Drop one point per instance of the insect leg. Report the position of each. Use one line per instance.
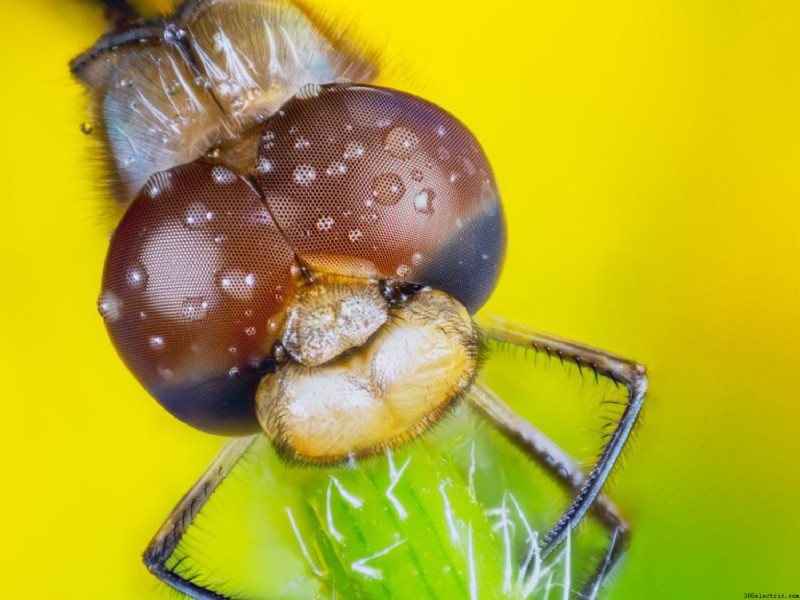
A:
(166, 539)
(620, 370)
(561, 465)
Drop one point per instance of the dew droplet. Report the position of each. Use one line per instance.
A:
(325, 223)
(237, 284)
(197, 215)
(423, 202)
(443, 153)
(469, 167)
(400, 142)
(233, 371)
(194, 308)
(86, 128)
(402, 270)
(232, 349)
(136, 276)
(302, 144)
(336, 168)
(264, 165)
(355, 235)
(441, 131)
(156, 342)
(353, 150)
(222, 175)
(388, 188)
(416, 258)
(250, 331)
(109, 306)
(305, 174)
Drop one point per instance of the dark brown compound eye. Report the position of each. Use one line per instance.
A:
(195, 280)
(367, 181)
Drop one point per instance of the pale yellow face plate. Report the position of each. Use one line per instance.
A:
(379, 394)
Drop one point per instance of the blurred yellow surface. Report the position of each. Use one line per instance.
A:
(649, 158)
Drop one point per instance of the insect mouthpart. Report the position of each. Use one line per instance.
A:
(366, 375)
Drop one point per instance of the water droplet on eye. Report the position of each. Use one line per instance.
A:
(233, 371)
(441, 131)
(251, 331)
(222, 175)
(402, 270)
(87, 128)
(353, 150)
(136, 276)
(443, 153)
(469, 167)
(125, 82)
(232, 349)
(388, 188)
(325, 223)
(453, 177)
(109, 306)
(416, 174)
(416, 259)
(237, 284)
(336, 168)
(166, 374)
(355, 235)
(302, 144)
(400, 142)
(423, 202)
(194, 309)
(264, 165)
(305, 174)
(197, 215)
(156, 342)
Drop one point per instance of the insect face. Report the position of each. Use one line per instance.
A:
(350, 185)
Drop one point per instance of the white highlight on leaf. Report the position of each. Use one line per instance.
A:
(360, 566)
(473, 578)
(448, 513)
(505, 524)
(314, 568)
(331, 527)
(352, 500)
(471, 474)
(602, 575)
(567, 566)
(394, 476)
(533, 553)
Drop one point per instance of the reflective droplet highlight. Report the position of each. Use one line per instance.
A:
(401, 142)
(388, 188)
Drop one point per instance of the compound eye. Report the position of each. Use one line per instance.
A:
(195, 281)
(367, 181)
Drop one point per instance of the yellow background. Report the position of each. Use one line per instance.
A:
(649, 158)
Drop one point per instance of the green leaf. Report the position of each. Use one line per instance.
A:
(448, 516)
